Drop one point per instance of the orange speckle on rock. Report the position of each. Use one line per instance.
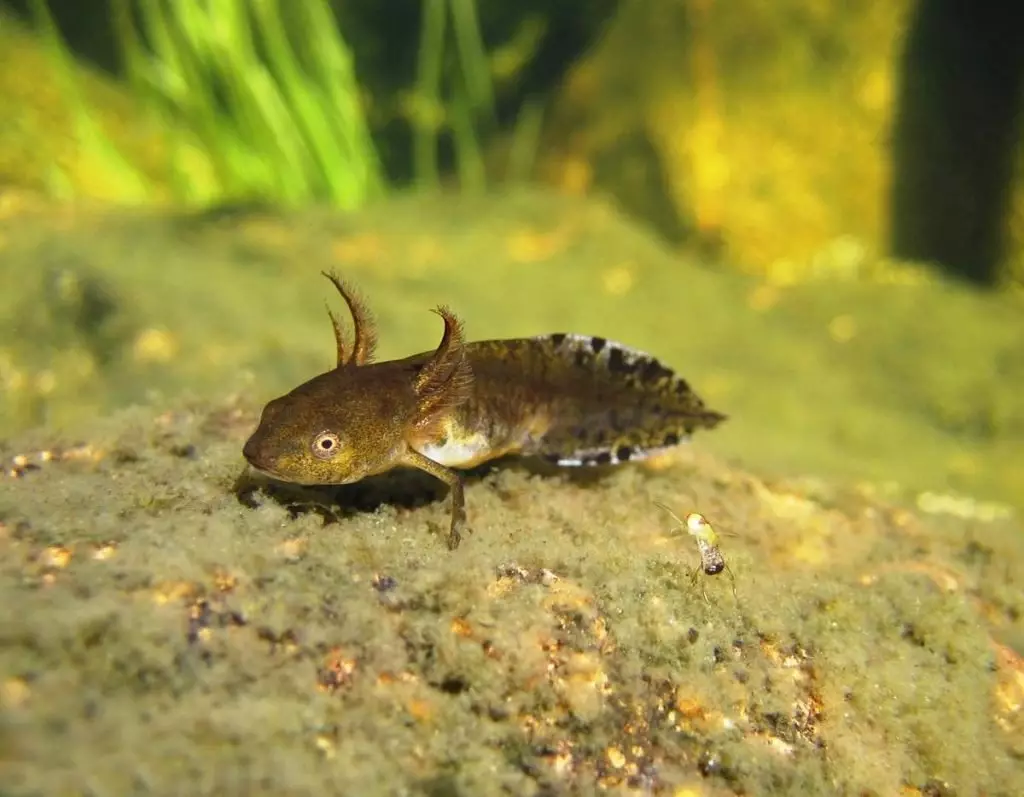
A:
(57, 556)
(420, 710)
(171, 591)
(83, 453)
(501, 586)
(943, 577)
(1009, 689)
(387, 678)
(224, 581)
(338, 670)
(615, 757)
(293, 548)
(662, 461)
(567, 595)
(14, 692)
(688, 706)
(102, 553)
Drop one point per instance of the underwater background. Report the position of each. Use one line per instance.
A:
(814, 212)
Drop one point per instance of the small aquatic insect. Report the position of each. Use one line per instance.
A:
(711, 560)
(574, 400)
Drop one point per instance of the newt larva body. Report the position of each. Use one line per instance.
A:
(574, 400)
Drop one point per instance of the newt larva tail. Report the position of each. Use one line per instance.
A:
(604, 402)
(636, 406)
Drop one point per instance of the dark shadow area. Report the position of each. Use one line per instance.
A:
(546, 37)
(403, 488)
(955, 135)
(85, 26)
(633, 172)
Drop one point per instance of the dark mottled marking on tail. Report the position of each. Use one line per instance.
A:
(628, 405)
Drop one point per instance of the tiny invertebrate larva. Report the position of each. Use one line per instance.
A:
(712, 562)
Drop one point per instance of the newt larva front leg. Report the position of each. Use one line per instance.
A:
(454, 482)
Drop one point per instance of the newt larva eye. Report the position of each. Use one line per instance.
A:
(326, 445)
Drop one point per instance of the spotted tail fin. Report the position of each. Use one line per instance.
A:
(623, 403)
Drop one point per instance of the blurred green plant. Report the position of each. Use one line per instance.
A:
(462, 98)
(248, 113)
(472, 97)
(225, 78)
(274, 124)
(129, 182)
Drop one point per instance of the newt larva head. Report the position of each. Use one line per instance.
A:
(336, 428)
(357, 419)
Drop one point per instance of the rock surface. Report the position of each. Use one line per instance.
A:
(167, 631)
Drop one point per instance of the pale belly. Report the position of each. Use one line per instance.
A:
(464, 453)
(461, 448)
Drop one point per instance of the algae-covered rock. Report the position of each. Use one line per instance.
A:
(769, 123)
(165, 633)
(771, 132)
